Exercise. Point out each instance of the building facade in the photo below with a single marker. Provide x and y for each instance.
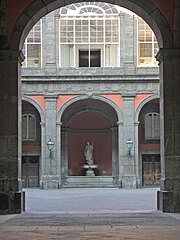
(15, 23)
(90, 75)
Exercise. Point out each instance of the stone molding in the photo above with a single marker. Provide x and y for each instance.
(11, 55)
(76, 87)
(168, 55)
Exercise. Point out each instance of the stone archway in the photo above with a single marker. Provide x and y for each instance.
(82, 120)
(147, 10)
(42, 137)
(169, 68)
(148, 118)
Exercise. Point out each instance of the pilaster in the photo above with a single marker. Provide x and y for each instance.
(11, 197)
(128, 161)
(168, 197)
(50, 179)
(50, 44)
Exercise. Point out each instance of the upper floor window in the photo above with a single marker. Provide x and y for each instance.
(28, 127)
(147, 45)
(89, 35)
(152, 126)
(92, 34)
(32, 47)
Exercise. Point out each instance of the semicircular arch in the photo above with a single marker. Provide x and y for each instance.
(142, 104)
(37, 9)
(36, 105)
(85, 97)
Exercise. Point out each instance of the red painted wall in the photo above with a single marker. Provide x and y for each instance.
(166, 7)
(31, 148)
(77, 142)
(139, 98)
(62, 99)
(15, 9)
(153, 147)
(117, 99)
(40, 100)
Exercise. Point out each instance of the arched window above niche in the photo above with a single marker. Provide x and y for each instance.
(92, 34)
(89, 8)
(89, 35)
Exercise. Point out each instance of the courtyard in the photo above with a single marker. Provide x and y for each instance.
(91, 213)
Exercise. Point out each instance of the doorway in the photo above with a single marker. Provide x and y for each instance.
(151, 170)
(30, 171)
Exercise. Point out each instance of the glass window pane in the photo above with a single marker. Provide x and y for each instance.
(24, 127)
(32, 126)
(148, 126)
(33, 55)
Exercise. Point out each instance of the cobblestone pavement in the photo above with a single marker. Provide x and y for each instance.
(126, 221)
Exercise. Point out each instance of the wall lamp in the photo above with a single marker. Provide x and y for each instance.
(50, 146)
(129, 144)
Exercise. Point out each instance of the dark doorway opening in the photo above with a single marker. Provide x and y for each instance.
(151, 169)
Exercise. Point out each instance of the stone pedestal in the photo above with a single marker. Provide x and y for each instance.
(89, 169)
(50, 182)
(129, 181)
(90, 172)
(165, 201)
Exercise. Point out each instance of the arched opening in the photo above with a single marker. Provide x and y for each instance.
(149, 144)
(70, 28)
(95, 122)
(146, 10)
(31, 146)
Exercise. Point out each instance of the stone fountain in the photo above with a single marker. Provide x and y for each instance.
(89, 169)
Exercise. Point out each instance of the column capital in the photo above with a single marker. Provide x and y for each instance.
(170, 55)
(59, 123)
(136, 123)
(128, 96)
(120, 123)
(50, 97)
(42, 124)
(11, 55)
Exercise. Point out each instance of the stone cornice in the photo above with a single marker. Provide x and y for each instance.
(95, 78)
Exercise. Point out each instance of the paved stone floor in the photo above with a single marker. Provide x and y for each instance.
(84, 214)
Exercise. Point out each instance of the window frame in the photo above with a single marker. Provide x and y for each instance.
(33, 42)
(27, 138)
(152, 127)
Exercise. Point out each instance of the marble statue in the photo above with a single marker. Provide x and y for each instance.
(88, 152)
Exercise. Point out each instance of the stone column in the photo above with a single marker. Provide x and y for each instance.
(58, 144)
(120, 153)
(169, 194)
(51, 179)
(64, 156)
(128, 161)
(136, 157)
(43, 155)
(11, 197)
(114, 153)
